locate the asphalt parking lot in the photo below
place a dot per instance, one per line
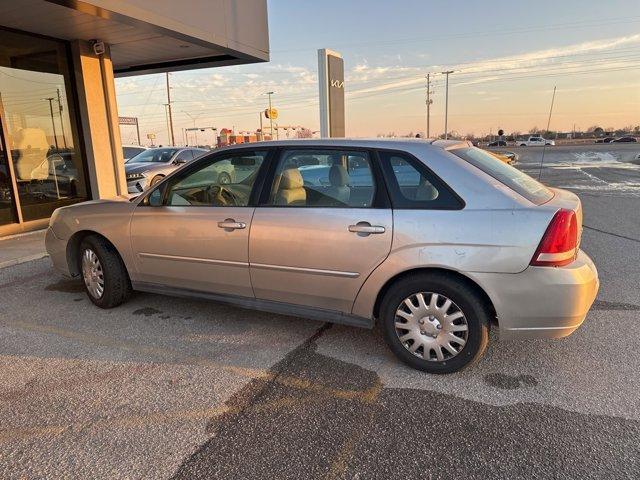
(171, 388)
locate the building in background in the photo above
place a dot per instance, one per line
(59, 133)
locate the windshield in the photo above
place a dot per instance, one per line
(130, 152)
(513, 178)
(155, 155)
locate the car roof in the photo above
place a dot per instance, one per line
(383, 143)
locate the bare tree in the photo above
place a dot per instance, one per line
(304, 133)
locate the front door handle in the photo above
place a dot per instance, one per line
(365, 228)
(230, 224)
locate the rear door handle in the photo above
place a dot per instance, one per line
(231, 224)
(365, 228)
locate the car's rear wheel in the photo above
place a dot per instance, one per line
(105, 277)
(435, 323)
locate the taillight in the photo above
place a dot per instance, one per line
(559, 245)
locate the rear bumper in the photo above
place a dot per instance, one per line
(57, 250)
(542, 302)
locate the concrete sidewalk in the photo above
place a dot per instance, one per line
(22, 248)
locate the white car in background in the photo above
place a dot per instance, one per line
(535, 142)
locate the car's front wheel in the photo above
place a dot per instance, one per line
(435, 323)
(156, 180)
(105, 276)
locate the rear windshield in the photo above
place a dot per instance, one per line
(513, 178)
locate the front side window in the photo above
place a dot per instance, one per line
(412, 185)
(217, 181)
(323, 178)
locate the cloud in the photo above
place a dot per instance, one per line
(529, 62)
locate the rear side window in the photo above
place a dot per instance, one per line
(413, 186)
(513, 178)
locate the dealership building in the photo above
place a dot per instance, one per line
(59, 135)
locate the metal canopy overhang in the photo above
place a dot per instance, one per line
(137, 46)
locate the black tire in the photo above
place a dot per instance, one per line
(117, 285)
(466, 298)
(155, 180)
(224, 178)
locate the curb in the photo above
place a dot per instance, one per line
(18, 261)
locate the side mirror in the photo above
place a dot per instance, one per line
(179, 161)
(154, 199)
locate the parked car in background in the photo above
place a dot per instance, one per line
(130, 151)
(605, 140)
(497, 143)
(626, 139)
(506, 157)
(535, 142)
(153, 164)
(437, 241)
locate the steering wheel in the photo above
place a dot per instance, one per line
(219, 195)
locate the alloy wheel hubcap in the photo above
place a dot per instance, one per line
(431, 326)
(92, 273)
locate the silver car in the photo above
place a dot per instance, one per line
(151, 165)
(438, 241)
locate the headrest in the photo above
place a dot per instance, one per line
(291, 179)
(426, 192)
(338, 176)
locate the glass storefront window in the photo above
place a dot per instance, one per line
(7, 207)
(39, 125)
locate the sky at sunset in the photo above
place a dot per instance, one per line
(507, 57)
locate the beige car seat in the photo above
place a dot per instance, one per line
(291, 188)
(339, 180)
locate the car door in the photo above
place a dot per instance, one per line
(322, 226)
(192, 232)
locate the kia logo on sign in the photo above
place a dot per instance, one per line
(337, 83)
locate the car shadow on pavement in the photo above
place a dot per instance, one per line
(318, 417)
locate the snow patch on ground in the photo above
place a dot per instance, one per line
(594, 157)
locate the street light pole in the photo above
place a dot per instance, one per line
(446, 105)
(53, 123)
(270, 116)
(193, 119)
(429, 102)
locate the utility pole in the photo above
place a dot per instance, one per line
(64, 138)
(429, 102)
(446, 105)
(270, 119)
(173, 140)
(261, 129)
(53, 123)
